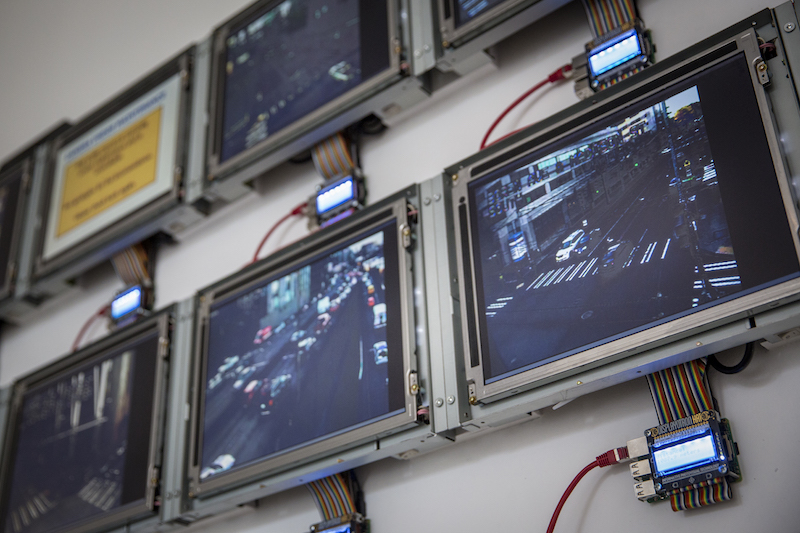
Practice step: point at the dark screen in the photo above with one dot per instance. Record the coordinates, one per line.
(309, 353)
(466, 10)
(665, 208)
(82, 441)
(293, 58)
(9, 198)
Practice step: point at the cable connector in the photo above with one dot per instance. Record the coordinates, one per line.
(612, 457)
(564, 72)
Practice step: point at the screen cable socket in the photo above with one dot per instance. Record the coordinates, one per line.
(682, 455)
(613, 57)
(350, 523)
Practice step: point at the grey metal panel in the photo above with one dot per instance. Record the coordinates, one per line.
(5, 399)
(174, 475)
(783, 89)
(447, 370)
(423, 41)
(461, 59)
(195, 176)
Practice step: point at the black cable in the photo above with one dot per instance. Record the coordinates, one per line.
(741, 365)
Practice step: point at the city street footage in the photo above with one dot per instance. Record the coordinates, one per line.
(300, 357)
(621, 228)
(82, 442)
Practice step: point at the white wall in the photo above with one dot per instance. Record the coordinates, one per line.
(60, 59)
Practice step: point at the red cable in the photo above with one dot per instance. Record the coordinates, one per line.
(557, 75)
(295, 212)
(609, 458)
(100, 312)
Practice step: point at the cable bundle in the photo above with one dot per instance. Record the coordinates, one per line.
(681, 391)
(334, 495)
(701, 495)
(606, 15)
(332, 157)
(131, 265)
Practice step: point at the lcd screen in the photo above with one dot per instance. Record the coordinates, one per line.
(117, 167)
(9, 204)
(666, 207)
(685, 455)
(309, 353)
(613, 54)
(82, 441)
(292, 58)
(466, 10)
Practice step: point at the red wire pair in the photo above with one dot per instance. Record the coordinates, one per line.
(99, 314)
(609, 458)
(295, 212)
(557, 75)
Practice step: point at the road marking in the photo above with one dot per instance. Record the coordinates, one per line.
(722, 282)
(577, 269)
(361, 350)
(563, 275)
(554, 276)
(588, 268)
(650, 254)
(644, 255)
(666, 247)
(720, 266)
(544, 279)
(534, 281)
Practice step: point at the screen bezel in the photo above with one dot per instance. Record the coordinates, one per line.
(21, 171)
(218, 169)
(140, 509)
(456, 36)
(651, 337)
(255, 275)
(46, 261)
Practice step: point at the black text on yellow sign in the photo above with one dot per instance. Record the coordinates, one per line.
(110, 173)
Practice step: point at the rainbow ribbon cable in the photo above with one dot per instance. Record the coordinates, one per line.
(332, 157)
(333, 495)
(606, 15)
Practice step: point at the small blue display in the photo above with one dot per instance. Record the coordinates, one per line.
(615, 52)
(686, 455)
(335, 195)
(126, 302)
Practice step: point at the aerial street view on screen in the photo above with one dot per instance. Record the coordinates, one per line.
(286, 63)
(469, 9)
(300, 357)
(624, 226)
(78, 454)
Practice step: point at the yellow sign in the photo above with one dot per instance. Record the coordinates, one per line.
(110, 173)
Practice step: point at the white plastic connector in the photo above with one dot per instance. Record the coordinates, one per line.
(644, 489)
(638, 448)
(640, 468)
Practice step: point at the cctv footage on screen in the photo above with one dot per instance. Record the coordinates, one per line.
(622, 226)
(82, 442)
(310, 353)
(290, 61)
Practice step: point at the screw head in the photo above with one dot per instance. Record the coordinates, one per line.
(723, 469)
(415, 388)
(427, 201)
(439, 402)
(648, 433)
(658, 486)
(437, 197)
(454, 177)
(762, 67)
(788, 27)
(473, 400)
(451, 400)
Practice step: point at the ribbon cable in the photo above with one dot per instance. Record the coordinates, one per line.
(131, 266)
(679, 392)
(606, 15)
(332, 157)
(333, 495)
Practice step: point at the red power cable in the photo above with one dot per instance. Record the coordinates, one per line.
(295, 212)
(100, 313)
(557, 75)
(609, 458)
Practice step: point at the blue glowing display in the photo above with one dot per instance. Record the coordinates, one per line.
(685, 455)
(614, 53)
(126, 302)
(335, 195)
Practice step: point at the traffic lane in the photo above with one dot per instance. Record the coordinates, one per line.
(571, 314)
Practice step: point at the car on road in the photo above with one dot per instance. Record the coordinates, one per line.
(297, 335)
(263, 334)
(371, 301)
(568, 244)
(323, 321)
(587, 241)
(381, 351)
(379, 312)
(221, 464)
(306, 343)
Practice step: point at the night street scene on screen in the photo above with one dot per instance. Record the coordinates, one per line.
(80, 451)
(285, 64)
(622, 227)
(302, 356)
